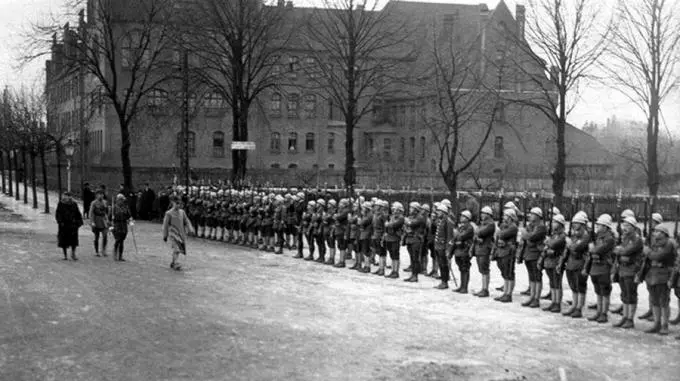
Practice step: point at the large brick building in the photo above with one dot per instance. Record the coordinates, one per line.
(300, 136)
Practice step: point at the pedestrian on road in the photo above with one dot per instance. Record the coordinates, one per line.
(121, 218)
(99, 220)
(70, 220)
(176, 225)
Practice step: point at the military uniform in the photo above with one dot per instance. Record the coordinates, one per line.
(533, 239)
(442, 236)
(308, 230)
(659, 268)
(393, 235)
(317, 223)
(415, 239)
(575, 258)
(505, 250)
(365, 224)
(340, 227)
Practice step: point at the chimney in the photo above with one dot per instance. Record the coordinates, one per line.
(520, 17)
(281, 3)
(289, 5)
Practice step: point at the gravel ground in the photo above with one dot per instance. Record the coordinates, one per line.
(238, 314)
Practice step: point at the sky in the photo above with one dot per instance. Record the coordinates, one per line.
(597, 102)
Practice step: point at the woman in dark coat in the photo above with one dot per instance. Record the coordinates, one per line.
(69, 220)
(121, 218)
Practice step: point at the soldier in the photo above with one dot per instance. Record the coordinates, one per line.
(378, 229)
(329, 235)
(675, 284)
(308, 227)
(365, 231)
(654, 222)
(442, 235)
(574, 257)
(299, 210)
(656, 272)
(393, 233)
(533, 240)
(628, 255)
(462, 241)
(340, 220)
(353, 234)
(267, 228)
(429, 244)
(100, 222)
(280, 227)
(554, 248)
(481, 248)
(506, 245)
(599, 265)
(416, 226)
(317, 219)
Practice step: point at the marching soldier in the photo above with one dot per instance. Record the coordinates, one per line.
(533, 239)
(484, 237)
(549, 261)
(599, 265)
(442, 236)
(378, 228)
(627, 259)
(365, 223)
(575, 257)
(415, 239)
(649, 315)
(462, 239)
(393, 234)
(506, 245)
(340, 227)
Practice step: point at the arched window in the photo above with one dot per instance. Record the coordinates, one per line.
(191, 141)
(423, 144)
(498, 151)
(309, 142)
(331, 142)
(275, 142)
(218, 144)
(276, 104)
(292, 142)
(293, 104)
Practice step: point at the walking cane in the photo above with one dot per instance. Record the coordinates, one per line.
(134, 240)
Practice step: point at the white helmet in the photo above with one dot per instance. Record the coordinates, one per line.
(487, 210)
(447, 203)
(466, 214)
(630, 220)
(656, 217)
(605, 220)
(413, 205)
(537, 211)
(321, 202)
(311, 203)
(627, 213)
(580, 218)
(559, 219)
(397, 206)
(510, 213)
(332, 202)
(441, 208)
(509, 205)
(555, 211)
(366, 205)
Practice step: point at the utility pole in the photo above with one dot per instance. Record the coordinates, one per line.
(185, 115)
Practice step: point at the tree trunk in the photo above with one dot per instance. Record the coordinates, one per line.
(451, 181)
(2, 171)
(240, 133)
(59, 186)
(17, 195)
(652, 154)
(9, 174)
(34, 186)
(125, 154)
(44, 176)
(560, 171)
(350, 173)
(24, 171)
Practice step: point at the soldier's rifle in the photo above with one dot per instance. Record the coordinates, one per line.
(551, 215)
(520, 257)
(589, 260)
(646, 263)
(619, 196)
(573, 204)
(494, 249)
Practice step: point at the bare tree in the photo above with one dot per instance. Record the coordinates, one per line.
(462, 101)
(125, 63)
(357, 50)
(643, 65)
(564, 39)
(237, 44)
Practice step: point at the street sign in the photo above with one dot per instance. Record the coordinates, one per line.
(248, 146)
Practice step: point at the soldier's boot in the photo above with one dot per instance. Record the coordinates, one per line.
(580, 302)
(538, 286)
(552, 302)
(442, 285)
(413, 278)
(321, 257)
(574, 298)
(605, 309)
(341, 259)
(357, 262)
(656, 312)
(528, 302)
(503, 287)
(599, 310)
(676, 321)
(311, 254)
(460, 287)
(381, 267)
(464, 281)
(617, 311)
(665, 316)
(557, 308)
(630, 316)
(395, 270)
(423, 265)
(435, 266)
(484, 293)
(624, 319)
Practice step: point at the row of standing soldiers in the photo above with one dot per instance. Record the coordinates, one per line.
(371, 231)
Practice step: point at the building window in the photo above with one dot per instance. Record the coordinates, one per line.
(157, 98)
(293, 66)
(191, 142)
(218, 144)
(293, 102)
(276, 104)
(275, 165)
(292, 166)
(498, 151)
(331, 166)
(402, 149)
(331, 142)
(276, 70)
(292, 142)
(310, 106)
(275, 143)
(412, 146)
(311, 68)
(423, 144)
(214, 100)
(387, 147)
(309, 142)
